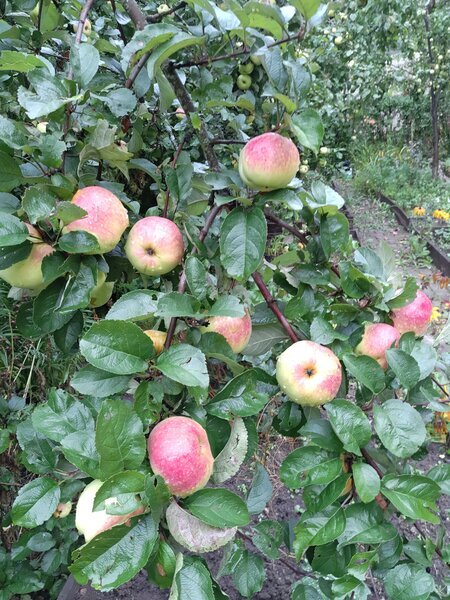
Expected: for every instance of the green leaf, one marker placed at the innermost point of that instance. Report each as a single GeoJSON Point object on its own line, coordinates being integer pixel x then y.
{"type": "Point", "coordinates": [19, 61]}
{"type": "Point", "coordinates": [38, 452]}
{"type": "Point", "coordinates": [167, 49]}
{"type": "Point", "coordinates": [4, 440]}
{"type": "Point", "coordinates": [308, 128]}
{"type": "Point", "coordinates": [35, 502]}
{"type": "Point", "coordinates": [303, 591]}
{"type": "Point", "coordinates": [45, 308]}
{"type": "Point", "coordinates": [218, 507]}
{"type": "Point", "coordinates": [365, 370]}
{"type": "Point", "coordinates": [261, 491]}
{"type": "Point", "coordinates": [175, 304]}
{"type": "Point", "coordinates": [61, 415]}
{"type": "Point", "coordinates": [196, 277]}
{"type": "Point", "coordinates": [318, 529]}
{"type": "Point", "coordinates": [193, 534]}
{"type": "Point", "coordinates": [12, 230]}
{"type": "Point", "coordinates": [12, 134]}
{"type": "Point", "coordinates": [308, 8]}
{"type": "Point", "coordinates": [91, 381]}
{"type": "Point", "coordinates": [121, 101]}
{"type": "Point", "coordinates": [268, 537]}
{"type": "Point", "coordinates": [229, 460]}
{"type": "Point", "coordinates": [400, 427]}
{"type": "Point", "coordinates": [38, 202]}
{"type": "Point", "coordinates": [404, 366]}
{"type": "Point", "coordinates": [79, 449]}
{"type": "Point", "coordinates": [117, 347]}
{"type": "Point", "coordinates": [50, 94]}
{"type": "Point", "coordinates": [334, 233]}
{"type": "Point", "coordinates": [309, 465]}
{"type": "Point", "coordinates": [148, 399]}
{"type": "Point", "coordinates": [119, 438]}
{"type": "Point", "coordinates": [367, 482]}
{"type": "Point", "coordinates": [161, 566]}
{"type": "Point", "coordinates": [193, 581]}
{"type": "Point", "coordinates": [123, 487]}
{"type": "Point", "coordinates": [441, 475]}
{"type": "Point", "coordinates": [185, 364]}
{"type": "Point", "coordinates": [78, 289]}
{"type": "Point", "coordinates": [243, 235]}
{"type": "Point", "coordinates": [249, 574]}
{"type": "Point", "coordinates": [350, 424]}
{"type": "Point", "coordinates": [226, 306]}
{"type": "Point", "coordinates": [115, 556]}
{"type": "Point", "coordinates": [322, 332]}
{"type": "Point", "coordinates": [79, 242]}
{"type": "Point", "coordinates": [137, 305]}
{"type": "Point", "coordinates": [8, 203]}
{"type": "Point", "coordinates": [264, 338]}
{"type": "Point", "coordinates": [85, 60]}
{"type": "Point", "coordinates": [407, 581]}
{"type": "Point", "coordinates": [406, 296]}
{"type": "Point", "coordinates": [366, 524]}
{"type": "Point", "coordinates": [413, 495]}
{"type": "Point", "coordinates": [321, 434]}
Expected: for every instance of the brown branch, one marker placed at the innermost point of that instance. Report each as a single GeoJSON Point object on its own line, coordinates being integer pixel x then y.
{"type": "Point", "coordinates": [216, 141]}
{"type": "Point", "coordinates": [135, 13]}
{"type": "Point", "coordinates": [137, 69]}
{"type": "Point", "coordinates": [272, 304]}
{"type": "Point", "coordinates": [188, 106]}
{"type": "Point", "coordinates": [156, 18]}
{"type": "Point", "coordinates": [210, 59]}
{"type": "Point", "coordinates": [119, 25]}
{"type": "Point", "coordinates": [298, 234]}
{"type": "Point", "coordinates": [182, 283]}
{"type": "Point", "coordinates": [41, 8]}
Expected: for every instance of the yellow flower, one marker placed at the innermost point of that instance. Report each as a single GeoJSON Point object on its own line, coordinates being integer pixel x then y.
{"type": "Point", "coordinates": [441, 215]}
{"type": "Point", "coordinates": [418, 211]}
{"type": "Point", "coordinates": [435, 314]}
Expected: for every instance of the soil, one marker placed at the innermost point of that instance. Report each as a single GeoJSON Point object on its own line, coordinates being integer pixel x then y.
{"type": "Point", "coordinates": [374, 224]}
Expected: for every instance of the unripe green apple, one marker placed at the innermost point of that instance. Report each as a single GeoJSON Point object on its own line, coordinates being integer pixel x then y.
{"type": "Point", "coordinates": [246, 68]}
{"type": "Point", "coordinates": [102, 291]}
{"type": "Point", "coordinates": [324, 150]}
{"type": "Point", "coordinates": [89, 522]}
{"type": "Point", "coordinates": [106, 217]}
{"type": "Point", "coordinates": [303, 169]}
{"type": "Point", "coordinates": [309, 374]}
{"type": "Point", "coordinates": [154, 246]}
{"type": "Point", "coordinates": [331, 12]}
{"type": "Point", "coordinates": [338, 40]}
{"type": "Point", "coordinates": [27, 273]}
{"type": "Point", "coordinates": [63, 510]}
{"type": "Point", "coordinates": [236, 330]}
{"type": "Point", "coordinates": [268, 162]}
{"type": "Point", "coordinates": [256, 60]}
{"type": "Point", "coordinates": [244, 82]}
{"type": "Point", "coordinates": [42, 126]}
{"type": "Point", "coordinates": [179, 451]}
{"type": "Point", "coordinates": [87, 27]}
{"type": "Point", "coordinates": [162, 8]}
{"type": "Point", "coordinates": [323, 162]}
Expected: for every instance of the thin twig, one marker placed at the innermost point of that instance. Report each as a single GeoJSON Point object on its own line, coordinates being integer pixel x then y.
{"type": "Point", "coordinates": [374, 586]}
{"type": "Point", "coordinates": [182, 283]}
{"type": "Point", "coordinates": [41, 8]}
{"type": "Point", "coordinates": [298, 234]}
{"type": "Point", "coordinates": [425, 536]}
{"type": "Point", "coordinates": [156, 18]}
{"type": "Point", "coordinates": [217, 141]}
{"type": "Point", "coordinates": [440, 386]}
{"type": "Point", "coordinates": [119, 25]}
{"type": "Point", "coordinates": [272, 304]}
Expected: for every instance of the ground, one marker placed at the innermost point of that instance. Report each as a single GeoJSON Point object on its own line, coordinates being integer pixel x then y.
{"type": "Point", "coordinates": [374, 224]}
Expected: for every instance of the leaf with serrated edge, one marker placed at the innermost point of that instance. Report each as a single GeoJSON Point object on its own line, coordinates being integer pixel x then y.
{"type": "Point", "coordinates": [229, 460]}
{"type": "Point", "coordinates": [193, 534]}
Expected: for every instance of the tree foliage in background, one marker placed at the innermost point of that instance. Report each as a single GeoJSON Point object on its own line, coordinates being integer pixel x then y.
{"type": "Point", "coordinates": [89, 96]}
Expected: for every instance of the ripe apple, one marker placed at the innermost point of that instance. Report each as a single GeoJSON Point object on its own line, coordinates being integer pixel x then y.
{"type": "Point", "coordinates": [246, 68]}
{"type": "Point", "coordinates": [179, 451]}
{"type": "Point", "coordinates": [102, 291]}
{"type": "Point", "coordinates": [158, 338]}
{"type": "Point", "coordinates": [236, 330]}
{"type": "Point", "coordinates": [179, 113]}
{"type": "Point", "coordinates": [63, 510]}
{"type": "Point", "coordinates": [154, 246]}
{"type": "Point", "coordinates": [89, 522]}
{"type": "Point", "coordinates": [28, 272]}
{"type": "Point", "coordinates": [268, 162]}
{"type": "Point", "coordinates": [309, 374]}
{"type": "Point", "coordinates": [106, 217]}
{"type": "Point", "coordinates": [377, 338]}
{"type": "Point", "coordinates": [415, 316]}
{"type": "Point", "coordinates": [244, 82]}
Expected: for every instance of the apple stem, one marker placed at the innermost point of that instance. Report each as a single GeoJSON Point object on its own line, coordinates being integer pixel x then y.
{"type": "Point", "coordinates": [272, 304]}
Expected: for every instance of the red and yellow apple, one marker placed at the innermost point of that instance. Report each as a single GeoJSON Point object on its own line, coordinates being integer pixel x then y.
{"type": "Point", "coordinates": [268, 162]}
{"type": "Point", "coordinates": [27, 273]}
{"type": "Point", "coordinates": [179, 451]}
{"type": "Point", "coordinates": [236, 330]}
{"type": "Point", "coordinates": [102, 291]}
{"type": "Point", "coordinates": [415, 316]}
{"type": "Point", "coordinates": [106, 217]}
{"type": "Point", "coordinates": [89, 522]}
{"type": "Point", "coordinates": [154, 246]}
{"type": "Point", "coordinates": [309, 374]}
{"type": "Point", "coordinates": [158, 338]}
{"type": "Point", "coordinates": [63, 510]}
{"type": "Point", "coordinates": [377, 338]}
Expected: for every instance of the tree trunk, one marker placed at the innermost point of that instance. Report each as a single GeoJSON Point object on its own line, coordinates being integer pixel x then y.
{"type": "Point", "coordinates": [434, 96]}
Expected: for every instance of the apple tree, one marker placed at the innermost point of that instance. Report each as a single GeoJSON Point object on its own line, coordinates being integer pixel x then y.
{"type": "Point", "coordinates": [148, 183]}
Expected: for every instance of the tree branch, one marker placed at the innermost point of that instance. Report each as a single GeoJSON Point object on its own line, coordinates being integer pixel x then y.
{"type": "Point", "coordinates": [440, 386]}
{"type": "Point", "coordinates": [135, 13]}
{"type": "Point", "coordinates": [159, 16]}
{"type": "Point", "coordinates": [182, 283]}
{"type": "Point", "coordinates": [272, 304]}
{"type": "Point", "coordinates": [119, 25]}
{"type": "Point", "coordinates": [298, 234]}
